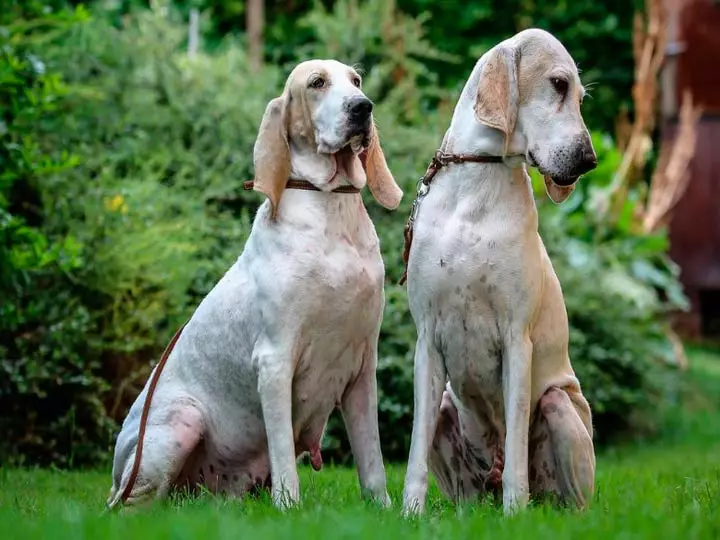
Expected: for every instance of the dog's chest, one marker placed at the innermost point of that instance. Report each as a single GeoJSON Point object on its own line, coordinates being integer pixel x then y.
{"type": "Point", "coordinates": [471, 286]}
{"type": "Point", "coordinates": [345, 283]}
{"type": "Point", "coordinates": [339, 325]}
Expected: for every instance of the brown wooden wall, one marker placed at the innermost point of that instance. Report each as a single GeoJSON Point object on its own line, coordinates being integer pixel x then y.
{"type": "Point", "coordinates": [699, 63]}
{"type": "Point", "coordinates": [695, 223]}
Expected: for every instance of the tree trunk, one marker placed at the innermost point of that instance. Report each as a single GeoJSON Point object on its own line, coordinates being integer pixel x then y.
{"type": "Point", "coordinates": [255, 28]}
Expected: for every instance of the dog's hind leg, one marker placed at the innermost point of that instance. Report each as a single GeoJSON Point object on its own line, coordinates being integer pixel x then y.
{"type": "Point", "coordinates": [562, 457]}
{"type": "Point", "coordinates": [462, 461]}
{"type": "Point", "coordinates": [172, 432]}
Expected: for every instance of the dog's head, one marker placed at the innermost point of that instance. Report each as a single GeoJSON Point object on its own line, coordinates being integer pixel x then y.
{"type": "Point", "coordinates": [318, 130]}
{"type": "Point", "coordinates": [529, 89]}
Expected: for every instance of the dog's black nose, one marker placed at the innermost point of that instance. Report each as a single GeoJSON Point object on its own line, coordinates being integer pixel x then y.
{"type": "Point", "coordinates": [585, 158]}
{"type": "Point", "coordinates": [360, 107]}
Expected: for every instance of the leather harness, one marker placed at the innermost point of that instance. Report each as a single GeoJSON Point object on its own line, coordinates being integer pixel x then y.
{"type": "Point", "coordinates": [145, 412]}
{"type": "Point", "coordinates": [439, 160]}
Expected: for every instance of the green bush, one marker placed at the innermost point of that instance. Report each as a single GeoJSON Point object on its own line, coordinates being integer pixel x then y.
{"type": "Point", "coordinates": [597, 34]}
{"type": "Point", "coordinates": [50, 385]}
{"type": "Point", "coordinates": [165, 144]}
{"type": "Point", "coordinates": [153, 213]}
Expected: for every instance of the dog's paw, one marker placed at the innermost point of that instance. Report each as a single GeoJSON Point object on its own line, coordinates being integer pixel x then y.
{"type": "Point", "coordinates": [514, 504]}
{"type": "Point", "coordinates": [412, 507]}
{"type": "Point", "coordinates": [384, 501]}
{"type": "Point", "coordinates": [377, 496]}
{"type": "Point", "coordinates": [286, 499]}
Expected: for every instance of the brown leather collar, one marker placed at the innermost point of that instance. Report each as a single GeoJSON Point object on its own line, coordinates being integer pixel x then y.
{"type": "Point", "coordinates": [439, 160]}
{"type": "Point", "coordinates": [307, 186]}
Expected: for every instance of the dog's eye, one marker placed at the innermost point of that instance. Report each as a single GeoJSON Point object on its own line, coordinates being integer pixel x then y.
{"type": "Point", "coordinates": [356, 81]}
{"type": "Point", "coordinates": [317, 83]}
{"type": "Point", "coordinates": [560, 85]}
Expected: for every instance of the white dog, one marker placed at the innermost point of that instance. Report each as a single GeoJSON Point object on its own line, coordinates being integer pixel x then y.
{"type": "Point", "coordinates": [291, 330]}
{"type": "Point", "coordinates": [484, 296]}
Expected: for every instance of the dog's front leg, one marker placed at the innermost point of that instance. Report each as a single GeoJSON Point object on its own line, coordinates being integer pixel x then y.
{"type": "Point", "coordinates": [517, 369]}
{"type": "Point", "coordinates": [275, 390]}
{"type": "Point", "coordinates": [359, 407]}
{"type": "Point", "coordinates": [429, 376]}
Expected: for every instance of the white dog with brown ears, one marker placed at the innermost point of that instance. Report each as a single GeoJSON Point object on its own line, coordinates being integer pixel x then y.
{"type": "Point", "coordinates": [291, 330]}
{"type": "Point", "coordinates": [484, 296]}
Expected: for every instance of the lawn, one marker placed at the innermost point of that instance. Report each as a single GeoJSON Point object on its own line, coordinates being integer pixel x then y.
{"type": "Point", "coordinates": [667, 489]}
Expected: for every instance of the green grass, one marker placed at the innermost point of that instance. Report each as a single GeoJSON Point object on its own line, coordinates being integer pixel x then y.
{"type": "Point", "coordinates": [667, 489]}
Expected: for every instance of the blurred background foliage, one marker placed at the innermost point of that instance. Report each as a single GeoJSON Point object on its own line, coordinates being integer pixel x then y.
{"type": "Point", "coordinates": [122, 160]}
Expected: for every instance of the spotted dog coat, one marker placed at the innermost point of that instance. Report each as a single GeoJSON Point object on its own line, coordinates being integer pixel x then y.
{"type": "Point", "coordinates": [485, 299]}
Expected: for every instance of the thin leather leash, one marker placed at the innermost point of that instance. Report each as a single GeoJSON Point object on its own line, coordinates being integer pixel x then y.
{"type": "Point", "coordinates": [291, 184]}
{"type": "Point", "coordinates": [145, 412]}
{"type": "Point", "coordinates": [439, 160]}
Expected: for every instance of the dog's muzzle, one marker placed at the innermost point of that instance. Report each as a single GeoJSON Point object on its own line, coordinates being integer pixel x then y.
{"type": "Point", "coordinates": [359, 111]}
{"type": "Point", "coordinates": [578, 161]}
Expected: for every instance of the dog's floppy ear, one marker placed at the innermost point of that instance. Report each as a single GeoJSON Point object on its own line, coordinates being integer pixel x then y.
{"type": "Point", "coordinates": [557, 194]}
{"type": "Point", "coordinates": [498, 93]}
{"type": "Point", "coordinates": [379, 178]}
{"type": "Point", "coordinates": [271, 155]}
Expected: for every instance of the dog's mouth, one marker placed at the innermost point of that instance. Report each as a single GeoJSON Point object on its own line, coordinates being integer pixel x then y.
{"type": "Point", "coordinates": [562, 181]}
{"type": "Point", "coordinates": [359, 138]}
{"type": "Point", "coordinates": [356, 141]}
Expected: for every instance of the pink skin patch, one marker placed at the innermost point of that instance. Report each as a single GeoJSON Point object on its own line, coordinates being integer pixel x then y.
{"type": "Point", "coordinates": [316, 457]}
{"type": "Point", "coordinates": [310, 444]}
{"type": "Point", "coordinates": [493, 481]}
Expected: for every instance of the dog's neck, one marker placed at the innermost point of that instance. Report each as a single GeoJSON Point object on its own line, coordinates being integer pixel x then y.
{"type": "Point", "coordinates": [307, 163]}
{"type": "Point", "coordinates": [487, 185]}
{"type": "Point", "coordinates": [332, 219]}
{"type": "Point", "coordinates": [324, 211]}
{"type": "Point", "coordinates": [324, 171]}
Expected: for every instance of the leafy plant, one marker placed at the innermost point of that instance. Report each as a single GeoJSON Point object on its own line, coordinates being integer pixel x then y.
{"type": "Point", "coordinates": [49, 383]}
